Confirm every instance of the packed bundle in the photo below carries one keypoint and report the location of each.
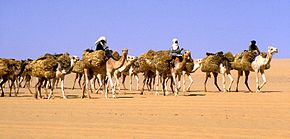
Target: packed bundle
(211, 63)
(243, 61)
(5, 67)
(64, 59)
(44, 67)
(145, 61)
(78, 67)
(162, 60)
(229, 56)
(94, 58)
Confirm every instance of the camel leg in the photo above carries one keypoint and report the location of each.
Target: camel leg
(175, 84)
(231, 82)
(117, 83)
(80, 79)
(163, 82)
(62, 87)
(87, 79)
(257, 81)
(52, 84)
(111, 85)
(191, 81)
(207, 74)
(183, 81)
(77, 76)
(157, 82)
(246, 80)
(238, 79)
(123, 82)
(215, 75)
(137, 81)
(142, 89)
(38, 87)
(264, 79)
(101, 81)
(224, 82)
(171, 84)
(1, 85)
(27, 83)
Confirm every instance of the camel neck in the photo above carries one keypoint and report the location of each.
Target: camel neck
(120, 62)
(268, 58)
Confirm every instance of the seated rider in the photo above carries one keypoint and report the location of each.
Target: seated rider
(175, 50)
(254, 48)
(101, 44)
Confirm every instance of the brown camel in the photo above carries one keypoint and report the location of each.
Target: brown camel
(177, 69)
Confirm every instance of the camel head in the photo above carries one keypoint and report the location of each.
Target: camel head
(125, 51)
(272, 50)
(74, 59)
(131, 58)
(186, 54)
(198, 61)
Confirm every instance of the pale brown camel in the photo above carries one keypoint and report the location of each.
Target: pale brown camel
(259, 64)
(222, 66)
(105, 69)
(190, 68)
(51, 68)
(177, 69)
(124, 70)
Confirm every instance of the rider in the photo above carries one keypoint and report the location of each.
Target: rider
(175, 49)
(101, 44)
(254, 48)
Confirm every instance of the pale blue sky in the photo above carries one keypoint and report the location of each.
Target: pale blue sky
(30, 28)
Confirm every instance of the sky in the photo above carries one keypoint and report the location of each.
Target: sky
(31, 28)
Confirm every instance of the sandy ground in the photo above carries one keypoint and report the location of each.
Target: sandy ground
(194, 114)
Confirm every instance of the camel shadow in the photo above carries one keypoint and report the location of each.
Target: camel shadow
(189, 95)
(124, 97)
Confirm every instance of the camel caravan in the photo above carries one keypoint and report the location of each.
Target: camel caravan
(106, 68)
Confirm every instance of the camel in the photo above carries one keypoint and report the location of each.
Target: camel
(188, 70)
(155, 63)
(222, 66)
(106, 68)
(259, 65)
(126, 69)
(260, 62)
(11, 69)
(78, 69)
(51, 68)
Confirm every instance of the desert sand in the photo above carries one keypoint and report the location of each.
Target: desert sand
(194, 114)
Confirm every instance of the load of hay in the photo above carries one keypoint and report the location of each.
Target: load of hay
(10, 67)
(145, 61)
(64, 59)
(44, 67)
(78, 67)
(229, 56)
(243, 61)
(162, 61)
(211, 63)
(4, 67)
(94, 58)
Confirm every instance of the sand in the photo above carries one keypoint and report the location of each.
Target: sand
(194, 114)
